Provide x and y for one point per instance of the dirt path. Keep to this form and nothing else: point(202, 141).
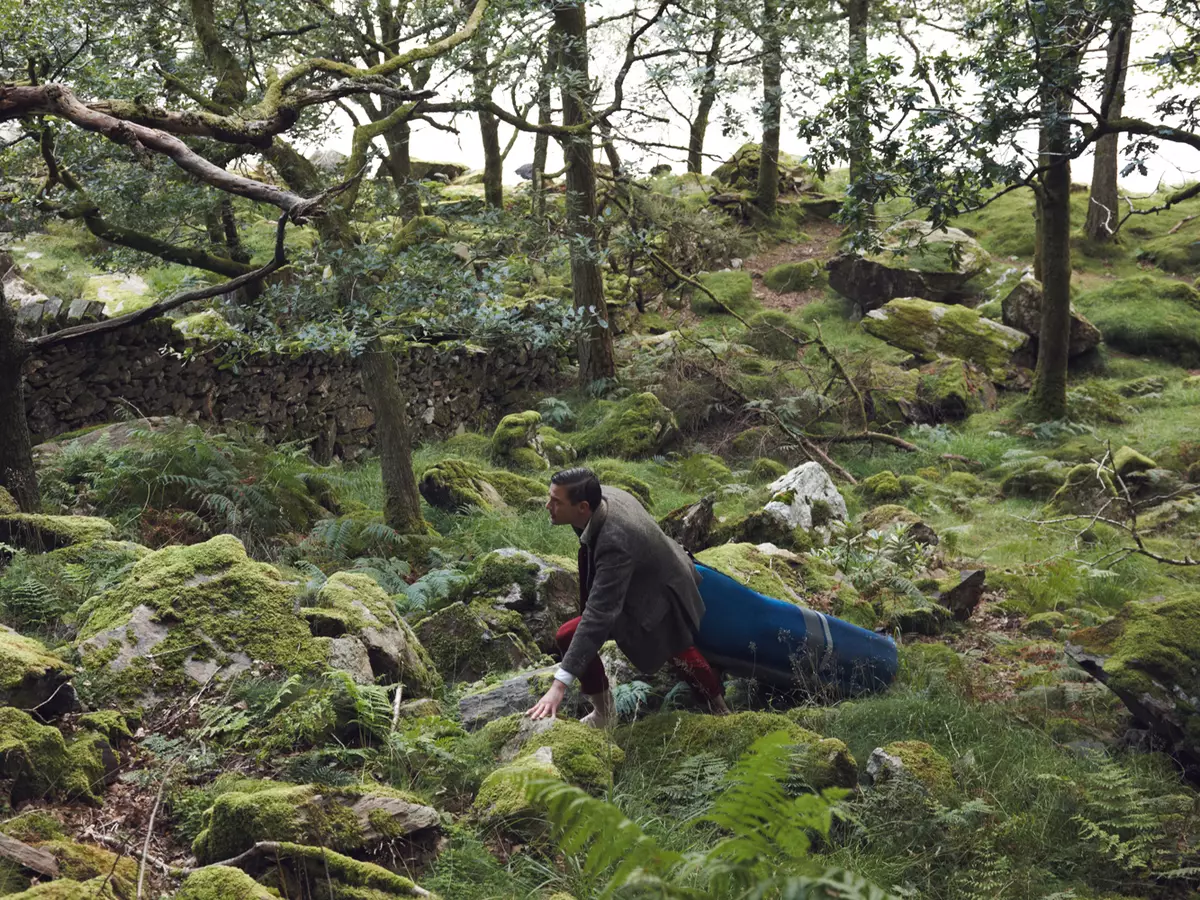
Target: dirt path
point(823, 235)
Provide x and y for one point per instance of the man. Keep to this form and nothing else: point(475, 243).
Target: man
point(636, 586)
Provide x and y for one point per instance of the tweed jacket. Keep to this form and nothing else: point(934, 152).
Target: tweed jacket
point(637, 587)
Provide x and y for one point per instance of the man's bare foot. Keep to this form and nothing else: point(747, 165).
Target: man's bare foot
point(604, 714)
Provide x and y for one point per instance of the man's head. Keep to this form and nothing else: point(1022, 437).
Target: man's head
point(574, 496)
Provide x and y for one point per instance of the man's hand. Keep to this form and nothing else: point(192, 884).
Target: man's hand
point(547, 707)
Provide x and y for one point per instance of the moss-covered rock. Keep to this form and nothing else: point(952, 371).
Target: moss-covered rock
point(614, 475)
point(821, 762)
point(583, 756)
point(502, 798)
point(1147, 656)
point(465, 647)
point(556, 447)
point(354, 604)
point(733, 290)
point(1044, 624)
point(1022, 309)
point(31, 677)
point(457, 484)
point(950, 390)
point(792, 277)
point(40, 533)
point(933, 330)
point(771, 574)
point(1034, 478)
point(1147, 315)
point(702, 471)
point(740, 171)
point(419, 230)
point(764, 469)
point(774, 334)
point(1086, 489)
point(1126, 461)
point(345, 820)
point(881, 487)
point(99, 888)
point(188, 613)
point(222, 883)
point(34, 756)
point(8, 505)
point(914, 760)
point(516, 441)
point(544, 592)
point(636, 426)
point(911, 615)
point(880, 517)
point(759, 527)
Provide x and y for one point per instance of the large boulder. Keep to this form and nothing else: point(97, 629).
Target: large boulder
point(1147, 655)
point(740, 171)
point(915, 261)
point(353, 605)
point(189, 614)
point(487, 703)
point(690, 525)
point(806, 497)
point(732, 289)
point(584, 756)
point(931, 331)
point(345, 819)
point(545, 593)
point(470, 640)
point(33, 678)
point(455, 485)
point(39, 533)
point(949, 390)
point(638, 425)
point(36, 762)
point(1022, 310)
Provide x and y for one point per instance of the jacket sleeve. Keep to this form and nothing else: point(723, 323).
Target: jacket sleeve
point(605, 601)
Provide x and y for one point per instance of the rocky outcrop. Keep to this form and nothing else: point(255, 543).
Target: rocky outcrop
point(915, 261)
point(543, 592)
point(1022, 309)
point(805, 498)
point(690, 525)
point(32, 678)
point(932, 331)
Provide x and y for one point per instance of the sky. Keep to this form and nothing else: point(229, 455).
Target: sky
point(1173, 165)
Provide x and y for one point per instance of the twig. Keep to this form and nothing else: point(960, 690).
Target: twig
point(396, 705)
point(150, 828)
point(116, 861)
point(1181, 223)
point(109, 841)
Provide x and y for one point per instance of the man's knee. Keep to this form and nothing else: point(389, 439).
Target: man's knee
point(566, 633)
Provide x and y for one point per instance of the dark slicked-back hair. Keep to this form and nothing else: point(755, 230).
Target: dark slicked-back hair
point(581, 484)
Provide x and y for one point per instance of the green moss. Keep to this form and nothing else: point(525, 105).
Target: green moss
point(469, 443)
point(1085, 490)
point(8, 505)
point(33, 827)
point(733, 289)
point(636, 426)
point(925, 665)
point(821, 762)
point(456, 484)
point(419, 230)
point(930, 330)
point(879, 517)
point(764, 470)
point(1036, 478)
point(82, 862)
point(1127, 460)
point(611, 473)
point(352, 879)
point(881, 486)
point(99, 888)
point(502, 796)
point(584, 756)
point(465, 646)
point(792, 277)
point(926, 765)
point(34, 756)
point(91, 759)
point(222, 883)
point(1147, 315)
point(107, 722)
point(38, 532)
point(24, 666)
point(206, 325)
point(773, 576)
point(514, 432)
point(702, 471)
point(1045, 624)
point(964, 484)
point(556, 447)
point(774, 334)
point(212, 600)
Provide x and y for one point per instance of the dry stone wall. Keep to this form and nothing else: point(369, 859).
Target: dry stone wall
point(152, 370)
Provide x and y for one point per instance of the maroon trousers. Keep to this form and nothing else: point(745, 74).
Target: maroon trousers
point(690, 664)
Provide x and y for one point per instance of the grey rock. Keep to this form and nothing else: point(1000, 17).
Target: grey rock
point(964, 597)
point(1022, 309)
point(806, 484)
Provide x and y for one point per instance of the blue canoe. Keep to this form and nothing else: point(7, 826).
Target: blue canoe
point(749, 634)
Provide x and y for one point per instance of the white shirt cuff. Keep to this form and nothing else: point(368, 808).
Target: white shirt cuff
point(564, 676)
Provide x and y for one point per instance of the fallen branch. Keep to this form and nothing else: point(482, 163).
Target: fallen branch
point(1181, 223)
point(32, 858)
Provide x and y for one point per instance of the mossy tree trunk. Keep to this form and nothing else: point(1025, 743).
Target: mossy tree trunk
point(859, 130)
point(489, 125)
point(393, 439)
point(17, 474)
point(1102, 213)
point(767, 195)
point(1048, 397)
point(596, 358)
point(708, 96)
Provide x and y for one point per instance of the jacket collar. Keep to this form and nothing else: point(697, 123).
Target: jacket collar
point(595, 523)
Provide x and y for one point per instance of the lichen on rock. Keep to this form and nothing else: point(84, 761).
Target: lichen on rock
point(796, 495)
point(913, 760)
point(457, 484)
point(31, 677)
point(932, 330)
point(636, 426)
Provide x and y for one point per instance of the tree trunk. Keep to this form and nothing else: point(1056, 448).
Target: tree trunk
point(393, 440)
point(596, 359)
point(1102, 213)
point(698, 127)
point(233, 240)
point(1048, 397)
point(541, 142)
point(489, 127)
point(17, 474)
point(859, 137)
point(767, 196)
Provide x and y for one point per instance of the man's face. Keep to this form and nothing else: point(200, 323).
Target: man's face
point(563, 511)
